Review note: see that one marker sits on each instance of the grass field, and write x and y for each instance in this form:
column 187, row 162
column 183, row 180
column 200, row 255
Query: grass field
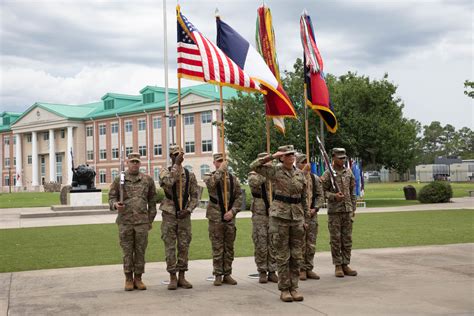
column 86, row 245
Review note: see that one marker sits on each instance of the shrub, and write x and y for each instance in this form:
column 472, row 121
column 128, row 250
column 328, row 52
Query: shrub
column 52, row 187
column 436, row 192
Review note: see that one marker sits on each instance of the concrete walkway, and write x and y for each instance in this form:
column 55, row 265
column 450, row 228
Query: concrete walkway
column 11, row 218
column 432, row 280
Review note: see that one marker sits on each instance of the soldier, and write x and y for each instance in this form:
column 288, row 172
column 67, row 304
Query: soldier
column 315, row 201
column 264, row 254
column 287, row 214
column 135, row 218
column 341, row 209
column 222, row 229
column 176, row 224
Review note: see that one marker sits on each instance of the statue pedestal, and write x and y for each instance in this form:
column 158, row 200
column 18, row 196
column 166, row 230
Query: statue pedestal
column 90, row 197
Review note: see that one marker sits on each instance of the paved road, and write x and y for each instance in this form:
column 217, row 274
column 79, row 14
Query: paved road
column 432, row 280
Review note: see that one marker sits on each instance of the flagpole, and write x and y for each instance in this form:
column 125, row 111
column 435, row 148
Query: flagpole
column 223, row 145
column 306, row 123
column 178, row 125
column 167, row 107
column 267, row 121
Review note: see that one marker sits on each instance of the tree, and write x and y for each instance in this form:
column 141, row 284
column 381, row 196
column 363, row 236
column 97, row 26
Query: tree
column 469, row 85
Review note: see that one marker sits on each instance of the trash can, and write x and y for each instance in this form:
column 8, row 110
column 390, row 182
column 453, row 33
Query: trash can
column 410, row 192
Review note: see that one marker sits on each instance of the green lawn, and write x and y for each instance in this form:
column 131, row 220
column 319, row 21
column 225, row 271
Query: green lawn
column 86, row 245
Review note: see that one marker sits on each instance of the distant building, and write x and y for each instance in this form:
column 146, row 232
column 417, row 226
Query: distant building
column 35, row 145
column 453, row 169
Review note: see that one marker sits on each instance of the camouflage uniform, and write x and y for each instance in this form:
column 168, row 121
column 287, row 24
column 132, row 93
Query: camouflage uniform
column 176, row 232
column 135, row 221
column 222, row 233
column 264, row 255
column 286, row 218
column 340, row 214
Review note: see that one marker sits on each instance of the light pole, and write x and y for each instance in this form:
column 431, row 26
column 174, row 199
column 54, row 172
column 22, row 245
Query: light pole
column 9, row 179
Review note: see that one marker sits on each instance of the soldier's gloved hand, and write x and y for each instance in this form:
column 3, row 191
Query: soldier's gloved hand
column 312, row 212
column 179, row 159
column 119, row 207
column 183, row 214
column 228, row 215
column 223, row 166
column 339, row 196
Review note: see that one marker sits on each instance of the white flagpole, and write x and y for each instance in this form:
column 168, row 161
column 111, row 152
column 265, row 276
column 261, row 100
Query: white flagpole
column 167, row 108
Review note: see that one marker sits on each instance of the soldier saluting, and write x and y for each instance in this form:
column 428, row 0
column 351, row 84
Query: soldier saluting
column 176, row 214
column 287, row 215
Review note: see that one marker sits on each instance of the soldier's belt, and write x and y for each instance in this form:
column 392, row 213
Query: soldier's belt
column 213, row 200
column 287, row 199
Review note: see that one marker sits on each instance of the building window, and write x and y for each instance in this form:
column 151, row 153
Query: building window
column 14, row 140
column 43, row 166
column 89, row 131
column 142, row 150
column 157, row 150
column 108, row 104
column 128, row 151
column 156, row 122
column 189, row 168
column 189, row 147
column 115, row 153
column 59, row 168
column 156, row 174
column 114, row 128
column 206, row 145
column 141, row 125
column 102, row 129
column 90, row 155
column 7, row 162
column 115, row 174
column 189, row 119
column 6, row 140
column 206, row 117
column 63, row 133
column 102, row 176
column 204, row 169
column 6, row 120
column 14, row 161
column 128, row 126
column 148, row 98
column 30, row 159
column 7, row 180
column 172, row 121
column 103, row 154
column 28, row 138
column 46, row 136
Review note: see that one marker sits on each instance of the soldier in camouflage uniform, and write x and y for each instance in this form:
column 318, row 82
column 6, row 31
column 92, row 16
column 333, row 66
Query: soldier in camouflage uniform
column 287, row 214
column 315, row 202
column 135, row 219
column 341, row 209
column 264, row 254
column 222, row 230
column 176, row 224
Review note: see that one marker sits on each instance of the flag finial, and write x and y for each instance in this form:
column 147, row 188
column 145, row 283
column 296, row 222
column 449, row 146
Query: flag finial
column 217, row 13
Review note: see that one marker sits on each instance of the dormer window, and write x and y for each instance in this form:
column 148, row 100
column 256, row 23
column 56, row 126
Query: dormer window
column 6, row 120
column 108, row 104
column 148, row 98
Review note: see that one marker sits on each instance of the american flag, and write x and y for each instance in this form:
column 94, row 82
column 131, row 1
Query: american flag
column 200, row 59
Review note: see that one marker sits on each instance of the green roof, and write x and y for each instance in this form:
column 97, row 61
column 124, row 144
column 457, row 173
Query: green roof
column 13, row 118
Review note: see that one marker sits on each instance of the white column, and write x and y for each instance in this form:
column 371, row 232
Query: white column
column 19, row 165
column 34, row 159
column 69, row 149
column 215, row 141
column 52, row 157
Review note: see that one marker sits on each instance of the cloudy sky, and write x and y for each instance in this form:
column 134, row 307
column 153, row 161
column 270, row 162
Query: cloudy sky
column 75, row 51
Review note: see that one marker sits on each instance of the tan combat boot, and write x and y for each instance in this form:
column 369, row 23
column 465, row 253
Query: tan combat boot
column 173, row 285
column 272, row 277
column 218, row 280
column 297, row 297
column 348, row 271
column 285, row 296
column 312, row 275
column 229, row 280
column 138, row 283
column 182, row 282
column 303, row 275
column 339, row 273
column 128, row 281
column 262, row 277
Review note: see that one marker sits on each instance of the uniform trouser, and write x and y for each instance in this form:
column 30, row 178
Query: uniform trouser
column 340, row 231
column 176, row 234
column 133, row 240
column 222, row 236
column 311, row 234
column 288, row 240
column 263, row 250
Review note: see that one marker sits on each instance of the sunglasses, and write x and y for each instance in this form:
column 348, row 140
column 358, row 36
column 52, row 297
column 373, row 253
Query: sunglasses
column 135, row 161
column 290, row 154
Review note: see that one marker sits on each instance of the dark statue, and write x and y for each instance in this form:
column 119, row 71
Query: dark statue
column 83, row 178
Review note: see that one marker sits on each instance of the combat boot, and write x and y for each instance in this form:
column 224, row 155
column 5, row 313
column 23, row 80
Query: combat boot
column 297, row 297
column 339, row 273
column 229, row 280
column 128, row 281
column 182, row 282
column 262, row 277
column 173, row 285
column 138, row 283
column 272, row 277
column 285, row 296
column 303, row 275
column 218, row 280
column 348, row 271
column 312, row 275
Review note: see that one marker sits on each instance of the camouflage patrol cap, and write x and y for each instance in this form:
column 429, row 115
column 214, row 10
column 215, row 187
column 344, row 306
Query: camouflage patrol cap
column 175, row 149
column 339, row 153
column 134, row 157
column 218, row 156
column 300, row 158
column 261, row 155
column 287, row 149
